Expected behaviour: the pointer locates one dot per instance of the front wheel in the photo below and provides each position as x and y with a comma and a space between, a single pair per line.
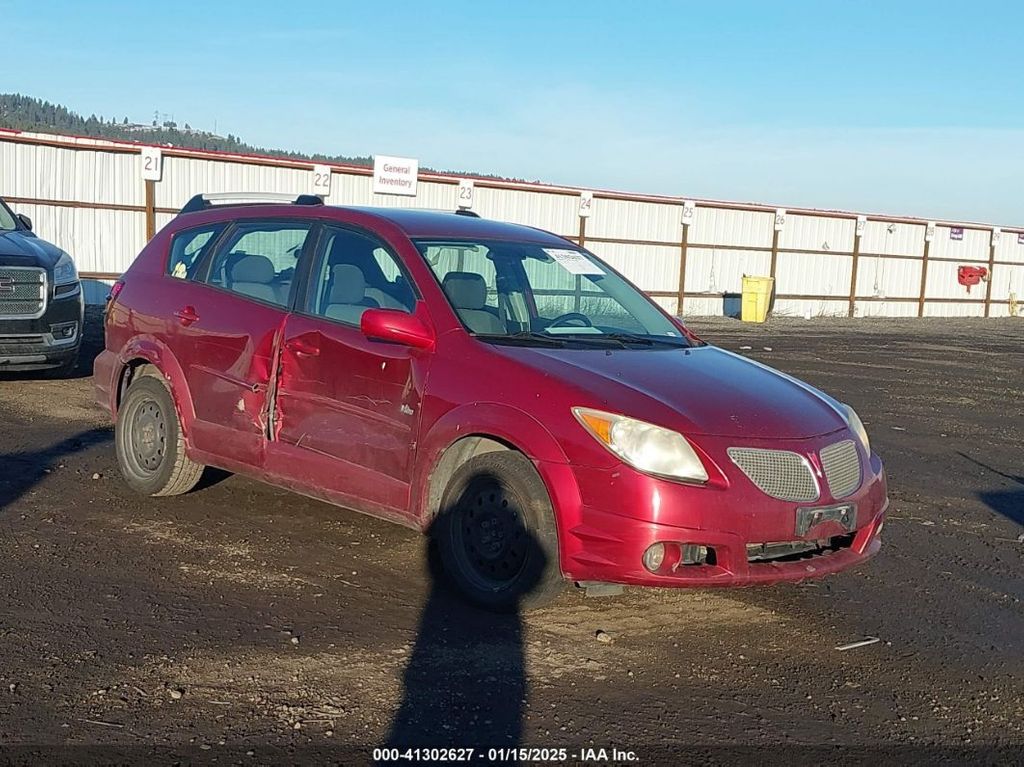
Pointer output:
149, 442
496, 534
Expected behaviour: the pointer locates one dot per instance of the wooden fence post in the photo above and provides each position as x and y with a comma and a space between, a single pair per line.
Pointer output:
924, 275
991, 266
683, 246
853, 270
150, 209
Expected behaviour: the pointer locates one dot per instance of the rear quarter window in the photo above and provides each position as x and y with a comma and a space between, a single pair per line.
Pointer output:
189, 248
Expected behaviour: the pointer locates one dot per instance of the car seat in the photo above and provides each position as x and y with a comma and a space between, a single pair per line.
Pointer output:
468, 294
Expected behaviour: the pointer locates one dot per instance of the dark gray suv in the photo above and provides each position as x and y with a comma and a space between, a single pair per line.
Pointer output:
41, 304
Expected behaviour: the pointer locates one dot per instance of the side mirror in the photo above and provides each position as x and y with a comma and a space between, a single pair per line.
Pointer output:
25, 220
397, 327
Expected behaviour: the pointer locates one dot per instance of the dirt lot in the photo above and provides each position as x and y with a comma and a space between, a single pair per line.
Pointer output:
243, 624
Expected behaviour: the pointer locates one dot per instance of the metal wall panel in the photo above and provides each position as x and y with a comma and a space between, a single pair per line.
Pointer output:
973, 246
942, 282
106, 241
98, 240
1010, 248
715, 226
954, 310
1007, 280
52, 173
888, 277
893, 239
802, 232
813, 274
625, 219
809, 308
650, 267
721, 271
885, 309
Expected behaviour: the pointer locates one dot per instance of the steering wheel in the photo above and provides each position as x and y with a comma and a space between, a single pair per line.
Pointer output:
562, 318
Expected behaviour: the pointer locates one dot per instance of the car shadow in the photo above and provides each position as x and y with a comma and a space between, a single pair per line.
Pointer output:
465, 684
20, 471
1008, 503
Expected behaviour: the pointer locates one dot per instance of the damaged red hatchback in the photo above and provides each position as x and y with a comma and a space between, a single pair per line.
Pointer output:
492, 384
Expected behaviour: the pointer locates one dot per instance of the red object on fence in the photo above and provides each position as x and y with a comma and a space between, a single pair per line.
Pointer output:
971, 275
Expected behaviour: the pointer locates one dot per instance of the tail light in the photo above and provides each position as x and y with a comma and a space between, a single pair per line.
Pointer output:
115, 291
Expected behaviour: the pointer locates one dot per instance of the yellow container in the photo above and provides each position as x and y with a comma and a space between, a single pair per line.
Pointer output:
757, 296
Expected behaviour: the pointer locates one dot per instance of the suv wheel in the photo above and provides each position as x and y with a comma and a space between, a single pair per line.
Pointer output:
149, 442
496, 533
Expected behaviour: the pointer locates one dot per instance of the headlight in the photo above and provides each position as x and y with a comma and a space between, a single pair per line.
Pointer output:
857, 427
644, 446
64, 272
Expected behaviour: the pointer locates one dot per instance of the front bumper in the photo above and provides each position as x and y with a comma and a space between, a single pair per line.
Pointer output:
622, 512
49, 341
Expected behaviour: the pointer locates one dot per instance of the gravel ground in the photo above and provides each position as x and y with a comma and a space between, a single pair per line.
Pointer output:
244, 624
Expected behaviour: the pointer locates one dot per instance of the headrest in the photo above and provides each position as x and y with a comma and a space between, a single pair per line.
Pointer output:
253, 269
348, 285
467, 290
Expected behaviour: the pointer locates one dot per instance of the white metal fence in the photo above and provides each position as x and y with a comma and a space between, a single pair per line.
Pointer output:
88, 197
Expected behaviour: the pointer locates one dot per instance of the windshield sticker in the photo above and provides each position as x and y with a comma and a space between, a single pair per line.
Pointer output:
573, 261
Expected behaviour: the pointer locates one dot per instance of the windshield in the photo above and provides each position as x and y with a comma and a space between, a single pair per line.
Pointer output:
525, 292
7, 221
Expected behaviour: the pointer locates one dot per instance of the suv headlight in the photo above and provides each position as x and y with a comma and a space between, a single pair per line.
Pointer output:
857, 427
644, 446
64, 272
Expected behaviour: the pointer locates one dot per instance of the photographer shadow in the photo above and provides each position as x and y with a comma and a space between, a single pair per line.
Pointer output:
465, 684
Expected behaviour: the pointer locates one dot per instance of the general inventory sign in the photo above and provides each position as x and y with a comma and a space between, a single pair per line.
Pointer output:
395, 175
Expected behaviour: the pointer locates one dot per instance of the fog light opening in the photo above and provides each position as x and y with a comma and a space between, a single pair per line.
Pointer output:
694, 554
64, 330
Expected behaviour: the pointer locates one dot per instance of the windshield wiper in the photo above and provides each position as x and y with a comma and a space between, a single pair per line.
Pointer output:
523, 338
634, 338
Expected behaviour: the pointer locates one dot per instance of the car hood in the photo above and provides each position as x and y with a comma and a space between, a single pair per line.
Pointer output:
20, 249
710, 391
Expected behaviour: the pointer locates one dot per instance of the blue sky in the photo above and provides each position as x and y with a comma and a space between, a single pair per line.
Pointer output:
905, 108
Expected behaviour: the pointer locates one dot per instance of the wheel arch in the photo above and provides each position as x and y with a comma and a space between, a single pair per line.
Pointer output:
147, 353
471, 430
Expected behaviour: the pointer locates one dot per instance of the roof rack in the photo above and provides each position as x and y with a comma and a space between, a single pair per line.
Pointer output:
465, 212
211, 199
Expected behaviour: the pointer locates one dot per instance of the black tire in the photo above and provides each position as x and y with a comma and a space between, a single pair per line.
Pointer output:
149, 442
496, 534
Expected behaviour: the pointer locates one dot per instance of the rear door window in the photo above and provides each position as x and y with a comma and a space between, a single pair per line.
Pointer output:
258, 259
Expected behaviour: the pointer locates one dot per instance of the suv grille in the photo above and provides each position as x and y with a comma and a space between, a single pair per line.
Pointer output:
22, 292
778, 473
841, 463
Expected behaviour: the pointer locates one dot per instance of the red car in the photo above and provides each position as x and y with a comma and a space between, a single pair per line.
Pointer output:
491, 383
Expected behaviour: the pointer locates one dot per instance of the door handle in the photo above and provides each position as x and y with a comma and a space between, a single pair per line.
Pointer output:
302, 348
186, 315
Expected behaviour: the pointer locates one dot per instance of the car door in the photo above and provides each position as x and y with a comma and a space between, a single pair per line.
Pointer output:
346, 407
227, 333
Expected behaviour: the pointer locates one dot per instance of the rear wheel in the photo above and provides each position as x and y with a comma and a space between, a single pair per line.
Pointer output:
496, 533
149, 442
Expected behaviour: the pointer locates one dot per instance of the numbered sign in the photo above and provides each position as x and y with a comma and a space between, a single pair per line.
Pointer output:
322, 180
1020, 238
862, 224
689, 211
929, 231
464, 197
996, 234
586, 204
152, 163
780, 219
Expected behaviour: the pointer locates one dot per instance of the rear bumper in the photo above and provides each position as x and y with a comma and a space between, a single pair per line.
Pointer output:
621, 513
51, 340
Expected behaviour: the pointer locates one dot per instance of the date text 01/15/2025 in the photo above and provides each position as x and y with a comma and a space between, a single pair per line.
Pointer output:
504, 754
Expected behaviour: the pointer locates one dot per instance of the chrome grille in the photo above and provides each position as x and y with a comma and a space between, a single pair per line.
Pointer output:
22, 292
778, 473
841, 464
